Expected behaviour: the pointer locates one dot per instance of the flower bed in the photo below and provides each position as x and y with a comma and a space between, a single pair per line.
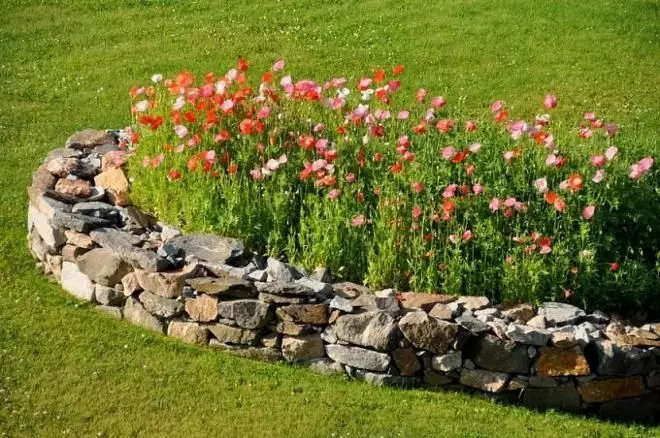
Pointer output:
211, 290
403, 192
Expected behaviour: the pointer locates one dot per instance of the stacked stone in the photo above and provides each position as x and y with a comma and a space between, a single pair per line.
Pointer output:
211, 290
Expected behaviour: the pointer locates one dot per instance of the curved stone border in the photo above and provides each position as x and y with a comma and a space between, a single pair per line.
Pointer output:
206, 289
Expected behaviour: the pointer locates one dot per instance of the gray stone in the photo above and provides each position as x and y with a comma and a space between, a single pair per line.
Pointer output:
428, 333
520, 313
277, 299
542, 382
90, 138
347, 289
103, 266
326, 366
484, 380
528, 335
302, 348
48, 206
329, 335
250, 314
318, 287
136, 314
537, 322
258, 275
472, 324
486, 315
222, 269
358, 357
282, 288
168, 232
558, 314
432, 378
562, 397
321, 274
159, 306
377, 330
77, 283
37, 246
79, 222
223, 287
279, 271
609, 359
123, 245
379, 379
598, 317
167, 284
502, 356
473, 303
447, 362
108, 296
210, 248
233, 335
96, 209
51, 236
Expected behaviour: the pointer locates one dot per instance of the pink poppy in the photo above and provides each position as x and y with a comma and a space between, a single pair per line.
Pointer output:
467, 235
321, 144
263, 113
611, 152
475, 147
358, 220
364, 84
590, 116
541, 185
452, 238
420, 95
450, 191
403, 115
599, 176
598, 160
334, 194
494, 205
585, 133
497, 106
469, 169
227, 105
418, 187
350, 178
448, 152
611, 129
550, 102
318, 128
181, 131
588, 212
278, 66
510, 202
416, 212
638, 169
477, 189
408, 156
438, 102
470, 126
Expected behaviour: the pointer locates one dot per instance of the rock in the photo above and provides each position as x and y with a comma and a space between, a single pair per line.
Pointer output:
204, 308
108, 296
538, 322
377, 330
499, 328
115, 312
599, 391
54, 262
123, 245
484, 380
136, 314
37, 246
564, 338
423, 301
77, 283
487, 314
561, 362
441, 311
258, 275
233, 335
159, 306
516, 384
250, 314
190, 332
279, 271
502, 356
304, 313
303, 348
609, 359
472, 324
90, 138
520, 313
76, 187
62, 166
166, 284
130, 284
271, 340
528, 335
633, 340
51, 237
168, 232
321, 274
223, 287
115, 184
48, 206
350, 290
561, 397
210, 248
284, 289
640, 409
78, 239
247, 351
427, 333
326, 366
277, 299
447, 362
292, 329
97, 209
558, 314
42, 179
379, 379
432, 378
542, 382
78, 222
319, 288
598, 317
224, 270
473, 303
103, 266
343, 304
406, 361
370, 303
358, 357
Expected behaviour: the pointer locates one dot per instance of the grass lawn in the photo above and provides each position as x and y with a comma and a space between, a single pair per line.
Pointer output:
67, 65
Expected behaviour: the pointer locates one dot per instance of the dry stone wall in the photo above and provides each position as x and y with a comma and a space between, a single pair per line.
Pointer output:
211, 290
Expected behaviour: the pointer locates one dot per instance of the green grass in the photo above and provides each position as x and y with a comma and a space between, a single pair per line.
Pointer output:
64, 369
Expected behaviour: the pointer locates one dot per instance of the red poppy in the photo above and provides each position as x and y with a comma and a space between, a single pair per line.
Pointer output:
460, 156
192, 164
398, 69
232, 169
501, 116
420, 128
614, 266
174, 175
379, 76
267, 78
396, 167
445, 125
242, 64
575, 182
306, 142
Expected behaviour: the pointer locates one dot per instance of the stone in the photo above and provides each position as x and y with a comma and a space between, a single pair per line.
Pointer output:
248, 351
123, 245
292, 329
48, 206
203, 308
441, 311
358, 357
484, 380
135, 313
223, 270
376, 329
190, 332
282, 288
639, 409
503, 356
528, 335
302, 348
77, 283
78, 222
62, 166
37, 246
51, 236
558, 314
487, 314
321, 274
520, 313
277, 299
341, 303
279, 271
516, 384
561, 362
319, 288
159, 306
472, 324
561, 397
542, 382
499, 328
564, 339
167, 284
609, 359
78, 239
447, 362
473, 303
210, 248
433, 378
90, 138
271, 340
329, 336
250, 314
223, 287
350, 290
108, 296
115, 312
258, 275
599, 391
42, 179
96, 209
103, 266
379, 379
423, 301
54, 262
639, 341
326, 366
130, 284
406, 361
115, 184
538, 322
316, 314
74, 187
233, 335
598, 317
428, 333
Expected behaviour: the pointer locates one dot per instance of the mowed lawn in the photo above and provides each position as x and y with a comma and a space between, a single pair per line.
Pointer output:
66, 370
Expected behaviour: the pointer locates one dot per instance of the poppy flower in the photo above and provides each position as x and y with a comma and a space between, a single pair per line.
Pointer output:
418, 187
416, 212
501, 116
467, 235
568, 293
278, 66
614, 266
575, 182
611, 152
438, 102
396, 168
448, 152
541, 185
599, 176
379, 76
598, 160
174, 175
403, 115
470, 126
550, 102
358, 220
494, 205
444, 126
398, 69
420, 95
420, 128
588, 212
334, 194
497, 106
306, 142
585, 133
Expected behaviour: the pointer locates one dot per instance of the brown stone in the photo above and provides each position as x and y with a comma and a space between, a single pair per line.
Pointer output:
484, 380
563, 339
62, 166
424, 301
296, 349
233, 335
555, 362
598, 391
78, 239
90, 138
78, 187
333, 316
130, 284
190, 332
350, 290
406, 361
54, 262
223, 287
520, 312
42, 179
70, 253
204, 308
473, 303
293, 329
115, 183
637, 341
136, 314
441, 311
167, 284
304, 313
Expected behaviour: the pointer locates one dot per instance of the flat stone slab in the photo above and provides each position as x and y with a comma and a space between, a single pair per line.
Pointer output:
209, 247
123, 245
